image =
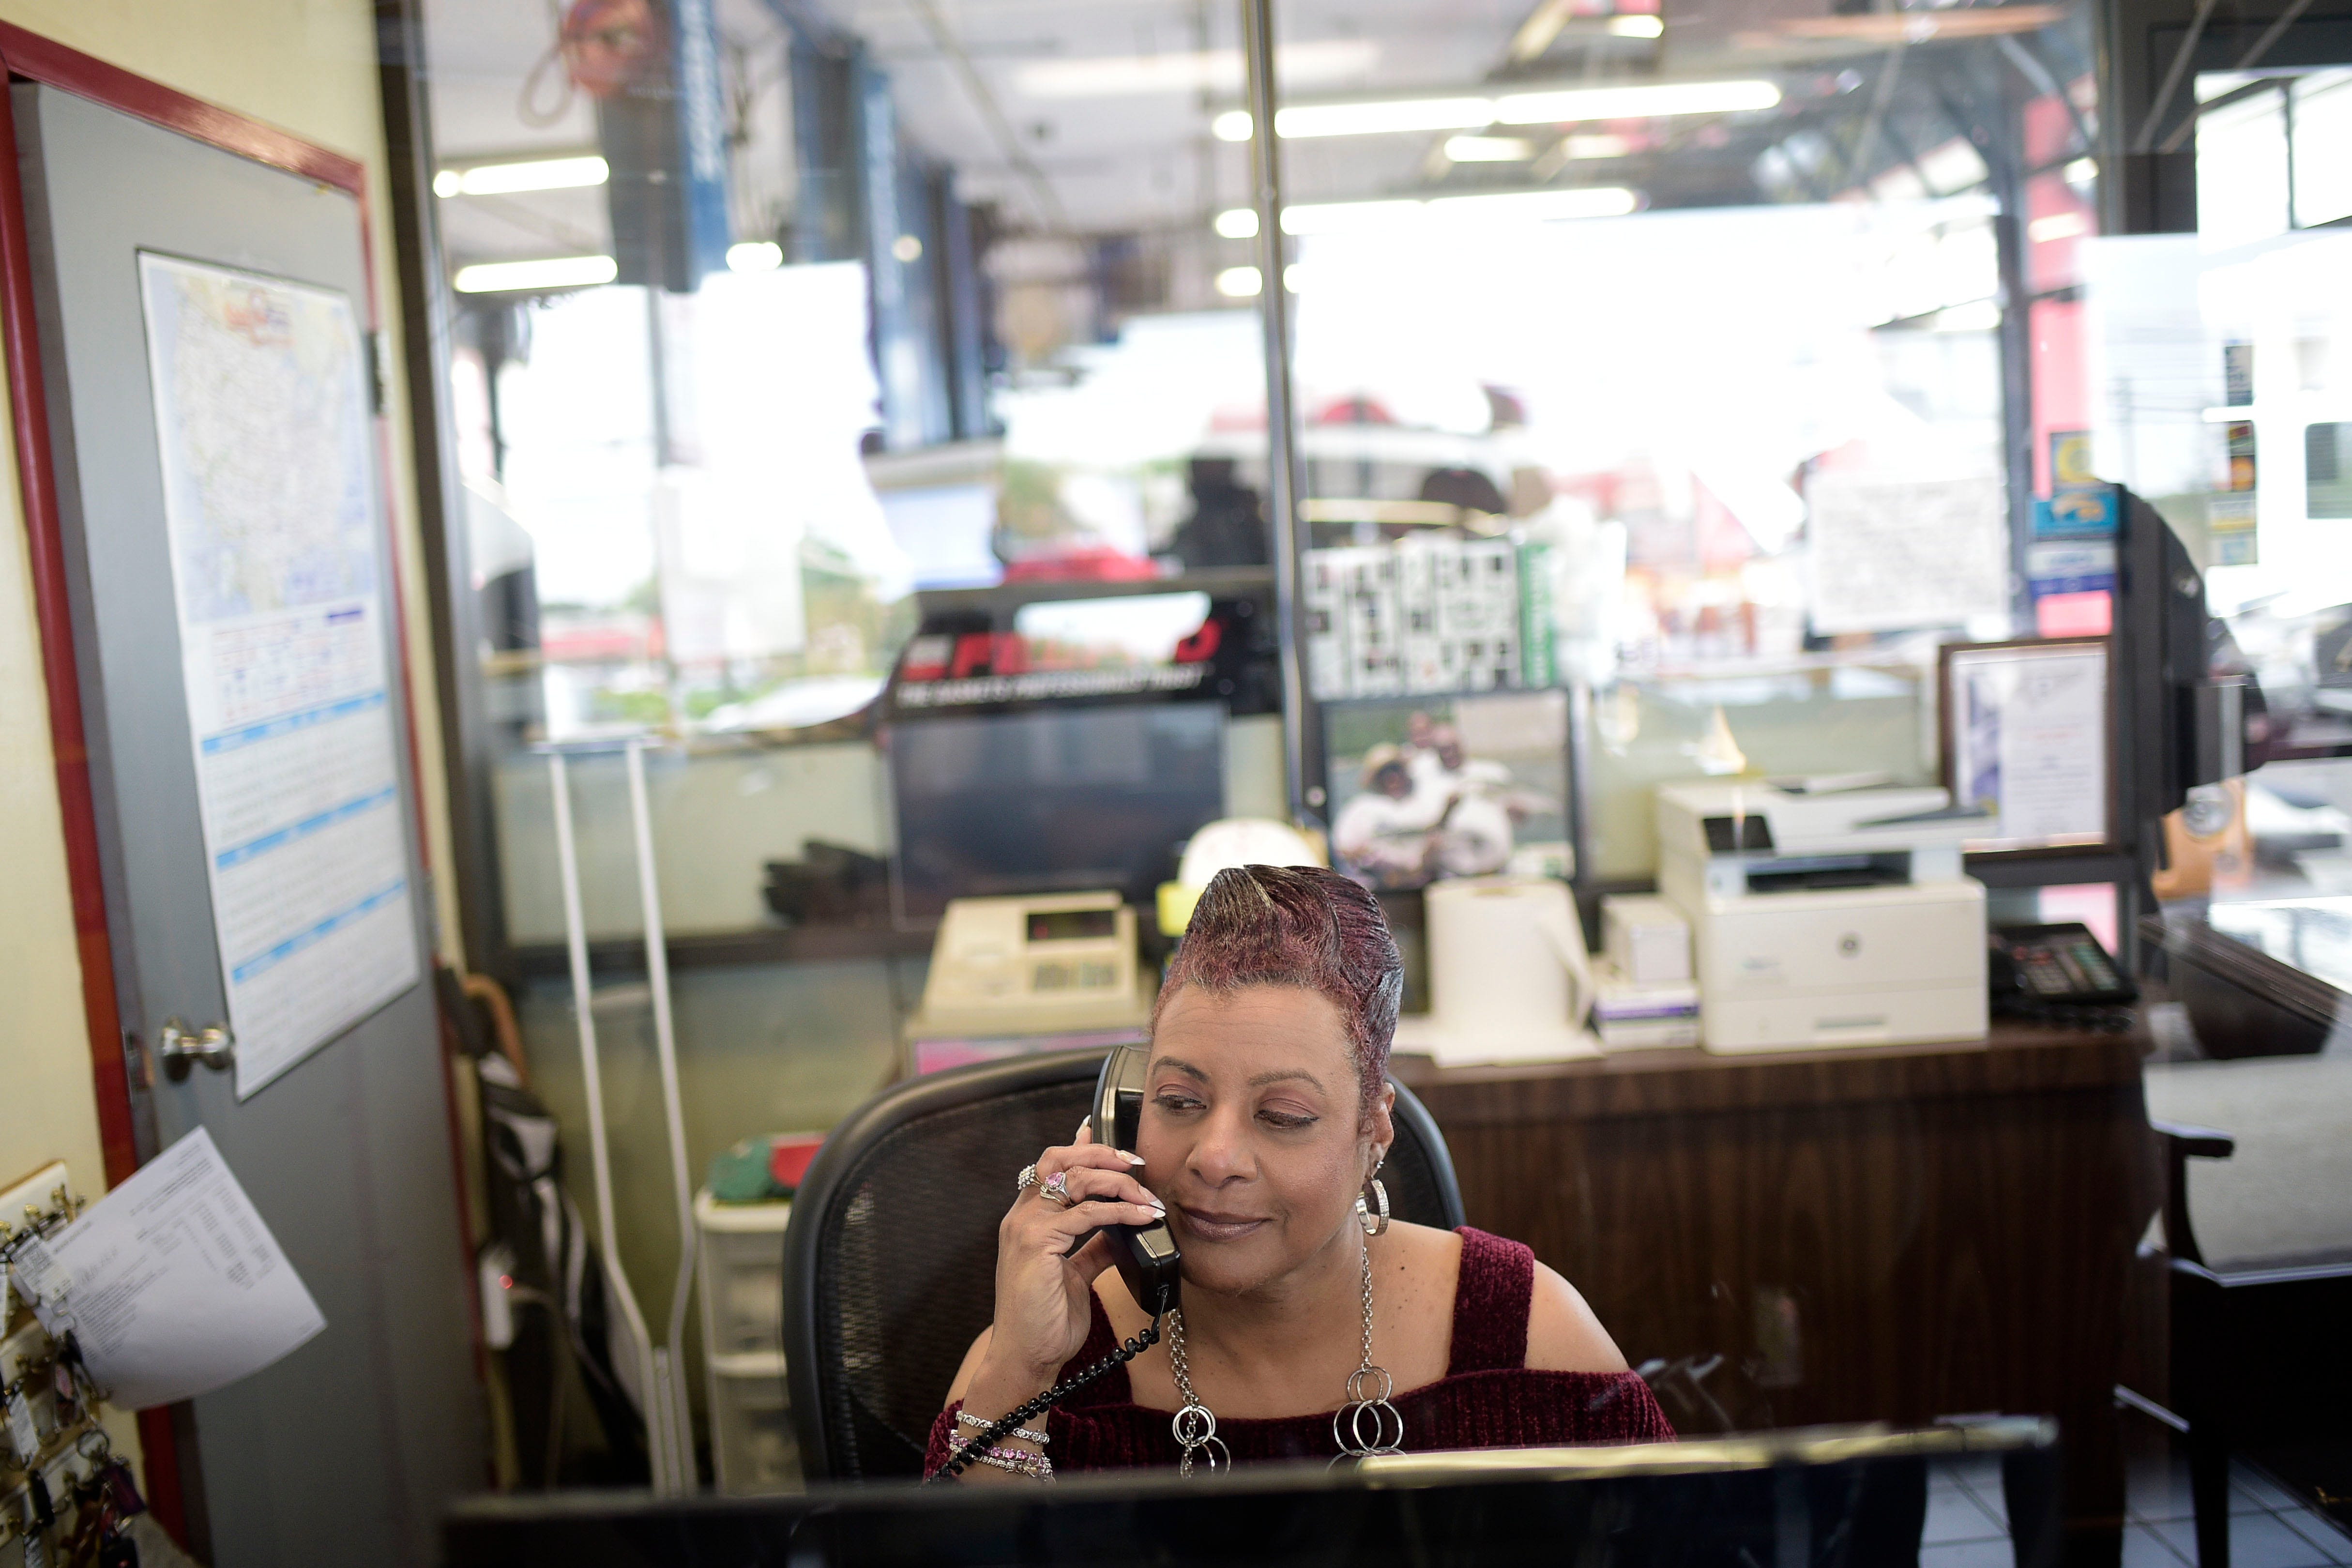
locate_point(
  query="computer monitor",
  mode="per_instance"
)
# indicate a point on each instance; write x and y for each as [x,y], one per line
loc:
[1827,1498]
[1050,800]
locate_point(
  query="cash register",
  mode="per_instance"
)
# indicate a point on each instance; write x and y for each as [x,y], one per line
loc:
[1824,916]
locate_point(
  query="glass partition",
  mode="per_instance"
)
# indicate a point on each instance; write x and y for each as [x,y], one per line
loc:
[1693,373]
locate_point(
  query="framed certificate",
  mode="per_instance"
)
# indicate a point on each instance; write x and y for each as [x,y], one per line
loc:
[2027,735]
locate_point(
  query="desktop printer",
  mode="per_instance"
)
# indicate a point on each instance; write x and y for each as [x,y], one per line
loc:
[1825,918]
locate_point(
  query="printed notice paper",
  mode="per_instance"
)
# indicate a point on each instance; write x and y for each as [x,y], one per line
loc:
[177,1287]
[261,413]
[2029,738]
[1890,556]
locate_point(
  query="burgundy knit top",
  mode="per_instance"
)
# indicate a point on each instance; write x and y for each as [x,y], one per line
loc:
[1487,1399]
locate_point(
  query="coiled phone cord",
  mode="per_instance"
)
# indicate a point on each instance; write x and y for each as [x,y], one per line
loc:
[1055,1394]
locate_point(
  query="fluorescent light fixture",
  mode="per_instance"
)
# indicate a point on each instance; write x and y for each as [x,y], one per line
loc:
[1976,316]
[1594,144]
[1239,282]
[554,272]
[1341,217]
[2082,171]
[1376,119]
[1489,149]
[755,255]
[1554,108]
[2057,225]
[1630,102]
[1537,206]
[1507,206]
[507,179]
[1637,26]
[1207,70]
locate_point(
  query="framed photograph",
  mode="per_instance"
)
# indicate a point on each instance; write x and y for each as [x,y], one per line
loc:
[1422,788]
[2028,730]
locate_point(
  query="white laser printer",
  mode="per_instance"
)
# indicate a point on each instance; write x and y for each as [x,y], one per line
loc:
[1825,918]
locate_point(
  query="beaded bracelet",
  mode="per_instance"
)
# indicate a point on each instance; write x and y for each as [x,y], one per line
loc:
[966,1418]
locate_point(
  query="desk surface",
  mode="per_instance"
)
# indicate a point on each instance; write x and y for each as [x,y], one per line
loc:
[2015,1059]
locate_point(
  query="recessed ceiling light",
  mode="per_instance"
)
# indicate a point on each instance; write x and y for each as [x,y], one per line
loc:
[536,175]
[755,255]
[1637,26]
[1238,222]
[1239,282]
[552,272]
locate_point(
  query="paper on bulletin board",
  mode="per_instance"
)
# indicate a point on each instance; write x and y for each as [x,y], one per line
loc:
[172,1283]
[262,418]
[1890,555]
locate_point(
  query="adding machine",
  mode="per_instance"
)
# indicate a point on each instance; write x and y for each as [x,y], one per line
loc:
[1825,917]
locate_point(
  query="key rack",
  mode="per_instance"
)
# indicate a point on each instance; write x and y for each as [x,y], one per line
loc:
[69,1455]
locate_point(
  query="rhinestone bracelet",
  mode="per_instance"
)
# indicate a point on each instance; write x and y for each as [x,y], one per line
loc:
[966,1418]
[1018,1461]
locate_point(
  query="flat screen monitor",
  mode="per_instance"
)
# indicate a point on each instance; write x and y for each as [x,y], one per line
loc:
[1052,800]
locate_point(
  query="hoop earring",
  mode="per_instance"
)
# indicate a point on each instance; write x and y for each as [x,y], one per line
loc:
[1372,1207]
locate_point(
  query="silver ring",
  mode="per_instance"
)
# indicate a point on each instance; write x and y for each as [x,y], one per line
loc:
[1056,1187]
[1025,1180]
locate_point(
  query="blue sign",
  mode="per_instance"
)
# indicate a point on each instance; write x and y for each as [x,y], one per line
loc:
[2076,514]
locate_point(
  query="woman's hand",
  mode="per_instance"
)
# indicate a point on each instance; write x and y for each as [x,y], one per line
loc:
[1043,1309]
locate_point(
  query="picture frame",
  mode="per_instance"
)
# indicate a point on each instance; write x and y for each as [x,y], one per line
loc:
[2028,728]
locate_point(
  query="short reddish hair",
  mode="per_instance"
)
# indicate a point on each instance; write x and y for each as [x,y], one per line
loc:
[1300,926]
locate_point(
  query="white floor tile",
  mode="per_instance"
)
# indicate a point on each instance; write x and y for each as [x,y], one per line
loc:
[1954,1515]
[1970,1554]
[2144,1548]
[2257,1540]
[2320,1531]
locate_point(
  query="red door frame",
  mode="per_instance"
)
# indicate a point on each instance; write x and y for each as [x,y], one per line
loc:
[25,56]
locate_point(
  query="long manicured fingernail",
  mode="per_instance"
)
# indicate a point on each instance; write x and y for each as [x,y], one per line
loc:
[1130,1159]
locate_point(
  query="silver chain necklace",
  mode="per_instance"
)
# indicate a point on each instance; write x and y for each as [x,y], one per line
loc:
[1369,1387]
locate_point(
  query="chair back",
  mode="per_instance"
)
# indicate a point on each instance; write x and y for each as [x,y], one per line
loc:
[890,1259]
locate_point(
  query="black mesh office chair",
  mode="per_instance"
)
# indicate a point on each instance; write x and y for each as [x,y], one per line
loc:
[890,1259]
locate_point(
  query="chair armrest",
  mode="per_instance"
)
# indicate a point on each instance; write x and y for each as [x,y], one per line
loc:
[2183,1143]
[2194,1142]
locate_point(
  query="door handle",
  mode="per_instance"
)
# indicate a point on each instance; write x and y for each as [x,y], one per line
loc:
[180,1046]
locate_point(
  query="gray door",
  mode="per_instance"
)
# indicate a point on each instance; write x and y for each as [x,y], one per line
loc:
[344,1451]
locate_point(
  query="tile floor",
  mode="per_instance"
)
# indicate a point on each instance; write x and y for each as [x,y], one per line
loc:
[1967,1527]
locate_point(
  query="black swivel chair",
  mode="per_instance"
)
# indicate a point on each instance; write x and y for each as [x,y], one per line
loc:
[2258,1353]
[891,1260]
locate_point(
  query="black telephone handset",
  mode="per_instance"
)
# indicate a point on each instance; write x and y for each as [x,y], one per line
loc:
[1146,1254]
[2057,974]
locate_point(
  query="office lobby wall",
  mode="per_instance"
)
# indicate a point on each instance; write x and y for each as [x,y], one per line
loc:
[307,67]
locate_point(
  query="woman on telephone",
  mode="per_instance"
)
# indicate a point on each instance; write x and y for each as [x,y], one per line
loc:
[1308,1324]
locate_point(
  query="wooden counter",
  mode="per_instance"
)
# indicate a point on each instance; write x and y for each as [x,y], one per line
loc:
[1876,1233]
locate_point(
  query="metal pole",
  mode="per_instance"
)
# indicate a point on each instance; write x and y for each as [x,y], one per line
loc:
[1281,458]
[671,1362]
[600,1155]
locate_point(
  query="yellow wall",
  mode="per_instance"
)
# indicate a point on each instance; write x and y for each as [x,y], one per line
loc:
[309,66]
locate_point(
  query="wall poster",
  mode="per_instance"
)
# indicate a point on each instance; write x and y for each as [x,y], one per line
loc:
[262,416]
